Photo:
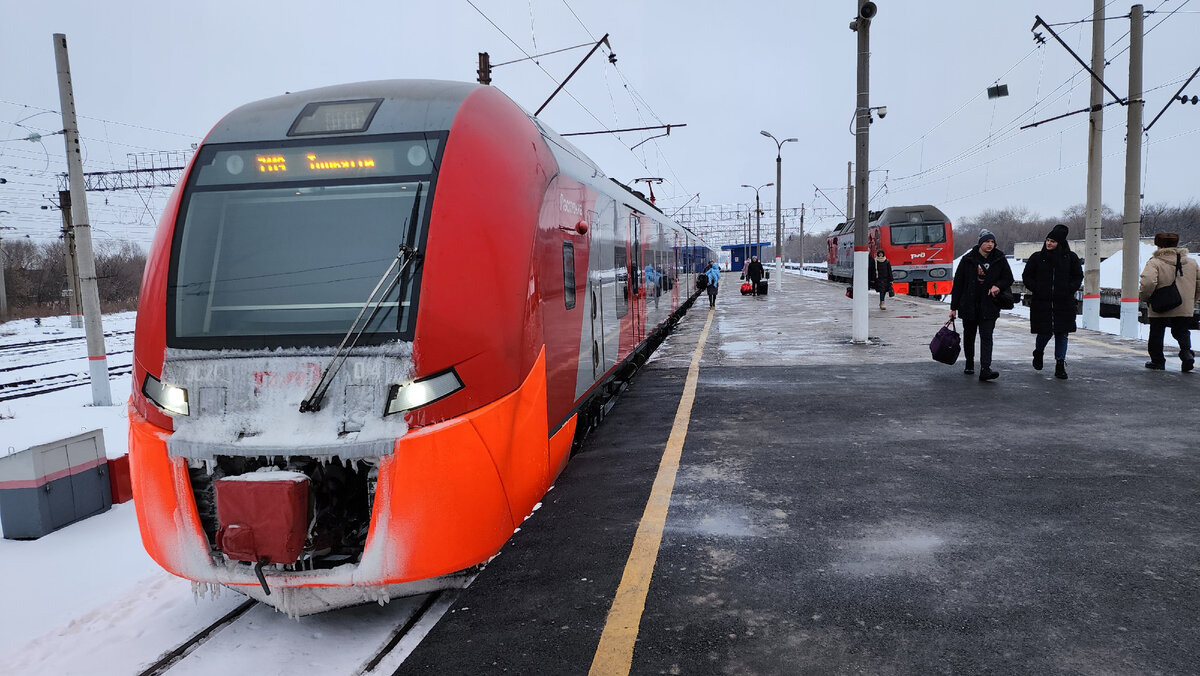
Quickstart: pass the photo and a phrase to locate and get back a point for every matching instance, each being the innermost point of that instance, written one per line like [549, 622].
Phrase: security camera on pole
[862, 116]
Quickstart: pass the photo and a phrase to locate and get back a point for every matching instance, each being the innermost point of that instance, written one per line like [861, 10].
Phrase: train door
[637, 287]
[595, 295]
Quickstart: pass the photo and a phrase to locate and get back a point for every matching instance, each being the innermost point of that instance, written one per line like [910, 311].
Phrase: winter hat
[1059, 234]
[1166, 240]
[985, 235]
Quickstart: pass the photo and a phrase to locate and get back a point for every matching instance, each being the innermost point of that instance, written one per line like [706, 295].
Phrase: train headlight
[418, 393]
[899, 274]
[937, 272]
[170, 398]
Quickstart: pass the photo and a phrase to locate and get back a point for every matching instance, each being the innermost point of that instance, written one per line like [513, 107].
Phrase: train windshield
[283, 245]
[924, 233]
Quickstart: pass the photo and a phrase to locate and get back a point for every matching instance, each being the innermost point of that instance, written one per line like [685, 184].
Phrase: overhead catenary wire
[552, 78]
[994, 138]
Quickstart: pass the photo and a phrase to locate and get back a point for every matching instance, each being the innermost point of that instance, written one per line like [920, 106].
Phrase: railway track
[20, 389]
[35, 346]
[282, 642]
[30, 366]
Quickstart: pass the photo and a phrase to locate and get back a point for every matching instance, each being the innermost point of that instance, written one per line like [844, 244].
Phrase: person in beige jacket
[1170, 264]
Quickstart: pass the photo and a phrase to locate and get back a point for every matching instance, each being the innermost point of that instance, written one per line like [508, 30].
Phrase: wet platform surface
[862, 509]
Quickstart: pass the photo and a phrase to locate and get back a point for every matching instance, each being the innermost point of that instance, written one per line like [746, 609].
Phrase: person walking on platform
[1170, 264]
[1052, 276]
[983, 272]
[879, 277]
[714, 280]
[754, 273]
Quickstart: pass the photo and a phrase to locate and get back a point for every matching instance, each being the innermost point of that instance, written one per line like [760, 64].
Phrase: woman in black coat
[1052, 276]
[879, 277]
[981, 275]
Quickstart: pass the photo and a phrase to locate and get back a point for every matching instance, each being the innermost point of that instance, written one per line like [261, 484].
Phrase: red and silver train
[917, 240]
[374, 318]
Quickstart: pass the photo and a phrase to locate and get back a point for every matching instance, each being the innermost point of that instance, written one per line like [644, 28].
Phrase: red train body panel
[428, 409]
[917, 240]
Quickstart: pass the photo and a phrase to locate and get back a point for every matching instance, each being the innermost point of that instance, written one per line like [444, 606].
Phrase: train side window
[621, 272]
[568, 253]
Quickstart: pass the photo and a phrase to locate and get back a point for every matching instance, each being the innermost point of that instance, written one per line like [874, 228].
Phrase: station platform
[856, 509]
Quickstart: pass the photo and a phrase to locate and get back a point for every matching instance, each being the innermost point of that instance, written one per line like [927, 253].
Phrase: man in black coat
[983, 272]
[1052, 276]
[754, 273]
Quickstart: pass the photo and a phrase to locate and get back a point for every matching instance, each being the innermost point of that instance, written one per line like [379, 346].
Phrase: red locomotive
[918, 241]
[374, 318]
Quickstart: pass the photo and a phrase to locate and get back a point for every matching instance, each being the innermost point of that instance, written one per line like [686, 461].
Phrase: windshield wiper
[404, 257]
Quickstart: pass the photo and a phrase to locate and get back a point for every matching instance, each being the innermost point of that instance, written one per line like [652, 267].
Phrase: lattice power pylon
[162, 169]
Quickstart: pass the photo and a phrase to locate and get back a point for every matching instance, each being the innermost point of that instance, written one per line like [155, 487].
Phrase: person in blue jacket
[714, 280]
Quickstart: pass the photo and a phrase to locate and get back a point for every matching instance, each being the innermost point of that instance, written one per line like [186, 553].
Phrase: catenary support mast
[1132, 221]
[1091, 259]
[89, 293]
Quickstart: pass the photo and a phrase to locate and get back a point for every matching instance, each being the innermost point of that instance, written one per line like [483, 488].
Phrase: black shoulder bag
[1166, 298]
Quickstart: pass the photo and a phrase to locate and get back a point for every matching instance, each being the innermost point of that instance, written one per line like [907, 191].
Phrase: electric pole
[1132, 221]
[97, 359]
[70, 260]
[849, 192]
[3, 291]
[862, 116]
[802, 236]
[1091, 245]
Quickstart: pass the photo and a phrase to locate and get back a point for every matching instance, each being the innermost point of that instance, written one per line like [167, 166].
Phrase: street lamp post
[758, 212]
[778, 206]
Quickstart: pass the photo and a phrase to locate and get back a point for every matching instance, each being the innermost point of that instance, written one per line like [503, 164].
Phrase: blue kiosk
[740, 254]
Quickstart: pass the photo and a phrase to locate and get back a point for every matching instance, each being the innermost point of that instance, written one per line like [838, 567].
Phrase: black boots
[1189, 360]
[986, 373]
[1037, 360]
[969, 369]
[1060, 369]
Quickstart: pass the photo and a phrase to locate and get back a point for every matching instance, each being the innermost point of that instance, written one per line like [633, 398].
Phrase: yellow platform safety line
[614, 655]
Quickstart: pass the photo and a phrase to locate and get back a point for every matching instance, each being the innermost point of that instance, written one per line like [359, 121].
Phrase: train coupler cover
[263, 516]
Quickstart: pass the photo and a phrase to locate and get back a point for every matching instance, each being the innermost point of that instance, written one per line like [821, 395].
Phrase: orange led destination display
[323, 164]
[271, 164]
[317, 162]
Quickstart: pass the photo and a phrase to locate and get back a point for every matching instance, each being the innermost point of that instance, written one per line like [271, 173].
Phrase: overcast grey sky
[155, 75]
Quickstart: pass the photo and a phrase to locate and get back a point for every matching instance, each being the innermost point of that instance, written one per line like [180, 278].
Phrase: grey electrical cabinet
[46, 487]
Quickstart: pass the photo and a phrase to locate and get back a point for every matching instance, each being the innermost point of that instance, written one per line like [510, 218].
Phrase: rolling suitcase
[762, 288]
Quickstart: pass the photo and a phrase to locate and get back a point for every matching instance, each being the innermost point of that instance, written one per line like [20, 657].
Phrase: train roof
[403, 105]
[917, 213]
[409, 105]
[920, 213]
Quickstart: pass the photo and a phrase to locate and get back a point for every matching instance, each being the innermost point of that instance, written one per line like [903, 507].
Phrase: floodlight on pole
[757, 212]
[778, 206]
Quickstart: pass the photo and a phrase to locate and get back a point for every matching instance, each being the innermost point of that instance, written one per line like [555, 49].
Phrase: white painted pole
[1091, 259]
[1132, 222]
[90, 294]
[862, 217]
